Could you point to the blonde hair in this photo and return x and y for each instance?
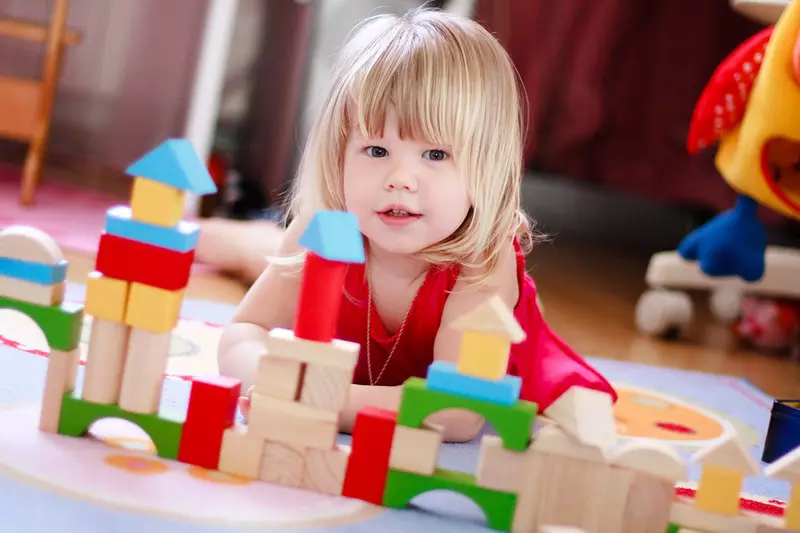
(451, 82)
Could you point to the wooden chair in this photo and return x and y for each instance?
(26, 104)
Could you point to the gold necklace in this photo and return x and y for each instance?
(369, 333)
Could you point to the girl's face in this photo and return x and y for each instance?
(406, 194)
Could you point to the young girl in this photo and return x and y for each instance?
(420, 137)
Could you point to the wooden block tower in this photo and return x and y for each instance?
(476, 383)
(304, 376)
(788, 468)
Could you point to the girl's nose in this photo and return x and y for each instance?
(401, 179)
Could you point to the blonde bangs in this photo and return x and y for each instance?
(451, 84)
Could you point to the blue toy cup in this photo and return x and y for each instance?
(783, 434)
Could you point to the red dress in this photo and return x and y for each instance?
(547, 366)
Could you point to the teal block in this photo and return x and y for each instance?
(444, 377)
(335, 236)
(181, 238)
(32, 272)
(175, 163)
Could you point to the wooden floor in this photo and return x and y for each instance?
(589, 294)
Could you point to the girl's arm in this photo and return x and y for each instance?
(460, 425)
(270, 303)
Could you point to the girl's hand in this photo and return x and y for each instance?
(244, 403)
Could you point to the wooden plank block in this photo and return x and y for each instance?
(128, 260)
(143, 375)
(153, 309)
(282, 463)
(560, 529)
(498, 468)
(156, 203)
(181, 238)
(278, 377)
(292, 423)
(19, 107)
(106, 298)
(326, 387)
(40, 273)
(35, 293)
(212, 408)
(105, 361)
(373, 432)
(337, 353)
(59, 380)
(324, 470)
(240, 453)
(416, 450)
(444, 376)
(686, 515)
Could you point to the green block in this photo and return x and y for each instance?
(498, 507)
(513, 423)
(61, 324)
(673, 528)
(164, 430)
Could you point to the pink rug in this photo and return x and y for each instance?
(73, 216)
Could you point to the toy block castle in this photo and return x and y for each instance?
(570, 476)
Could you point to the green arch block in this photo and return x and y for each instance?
(61, 324)
(164, 430)
(513, 423)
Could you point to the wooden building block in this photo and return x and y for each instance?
(587, 415)
(164, 429)
(445, 377)
(105, 361)
(59, 380)
(36, 293)
(212, 409)
(143, 375)
(484, 356)
(655, 458)
(181, 238)
(40, 273)
(691, 517)
(61, 324)
(498, 468)
(106, 298)
(240, 453)
(498, 507)
(282, 463)
(292, 423)
(156, 203)
(324, 470)
(367, 468)
(153, 309)
(787, 468)
(326, 387)
(278, 377)
(134, 261)
(336, 354)
(513, 423)
(416, 450)
(29, 244)
(724, 466)
(560, 529)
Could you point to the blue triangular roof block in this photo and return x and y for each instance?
(175, 163)
(334, 235)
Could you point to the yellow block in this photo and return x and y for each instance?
(106, 298)
(792, 515)
(155, 203)
(718, 490)
(153, 309)
(483, 356)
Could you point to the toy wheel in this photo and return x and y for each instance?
(660, 312)
(725, 305)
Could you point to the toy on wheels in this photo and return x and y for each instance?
(751, 110)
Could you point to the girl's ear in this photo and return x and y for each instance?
(765, 12)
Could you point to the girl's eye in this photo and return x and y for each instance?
(376, 151)
(435, 155)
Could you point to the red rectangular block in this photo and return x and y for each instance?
(370, 449)
(212, 410)
(129, 260)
